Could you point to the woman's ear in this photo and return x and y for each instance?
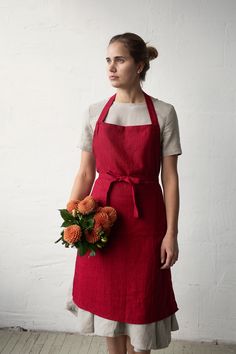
(140, 67)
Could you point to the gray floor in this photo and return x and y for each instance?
(17, 341)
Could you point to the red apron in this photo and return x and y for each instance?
(123, 282)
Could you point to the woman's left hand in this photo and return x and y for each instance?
(169, 250)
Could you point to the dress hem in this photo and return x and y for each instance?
(159, 338)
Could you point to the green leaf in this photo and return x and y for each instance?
(77, 244)
(66, 215)
(92, 246)
(90, 223)
(92, 253)
(82, 249)
(67, 223)
(80, 216)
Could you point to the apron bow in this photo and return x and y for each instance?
(132, 180)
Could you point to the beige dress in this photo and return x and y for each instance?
(154, 335)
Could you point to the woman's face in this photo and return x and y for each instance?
(121, 67)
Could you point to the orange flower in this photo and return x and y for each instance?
(102, 218)
(87, 205)
(111, 212)
(71, 205)
(72, 233)
(92, 236)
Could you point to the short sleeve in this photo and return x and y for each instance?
(86, 135)
(171, 136)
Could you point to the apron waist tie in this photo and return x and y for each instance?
(132, 180)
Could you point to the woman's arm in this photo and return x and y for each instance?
(85, 177)
(170, 182)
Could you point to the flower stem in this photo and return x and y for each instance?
(58, 239)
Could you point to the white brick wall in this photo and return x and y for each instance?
(52, 66)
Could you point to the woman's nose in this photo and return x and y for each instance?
(112, 67)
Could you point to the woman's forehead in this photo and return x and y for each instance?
(117, 49)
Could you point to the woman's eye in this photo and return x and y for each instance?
(119, 60)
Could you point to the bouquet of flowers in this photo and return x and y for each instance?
(86, 225)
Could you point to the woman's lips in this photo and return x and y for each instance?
(113, 77)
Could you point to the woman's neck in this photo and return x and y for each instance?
(133, 95)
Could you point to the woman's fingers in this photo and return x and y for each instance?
(163, 254)
(169, 252)
(167, 264)
(171, 258)
(173, 261)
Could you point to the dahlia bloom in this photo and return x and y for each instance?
(111, 212)
(72, 204)
(92, 236)
(72, 233)
(101, 218)
(87, 205)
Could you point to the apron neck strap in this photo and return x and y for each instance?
(150, 106)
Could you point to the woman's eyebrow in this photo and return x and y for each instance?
(118, 57)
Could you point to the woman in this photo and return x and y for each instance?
(125, 293)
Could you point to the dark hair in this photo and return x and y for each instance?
(137, 49)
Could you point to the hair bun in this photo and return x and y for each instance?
(152, 53)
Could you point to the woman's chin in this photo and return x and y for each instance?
(114, 84)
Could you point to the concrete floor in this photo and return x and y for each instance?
(18, 341)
